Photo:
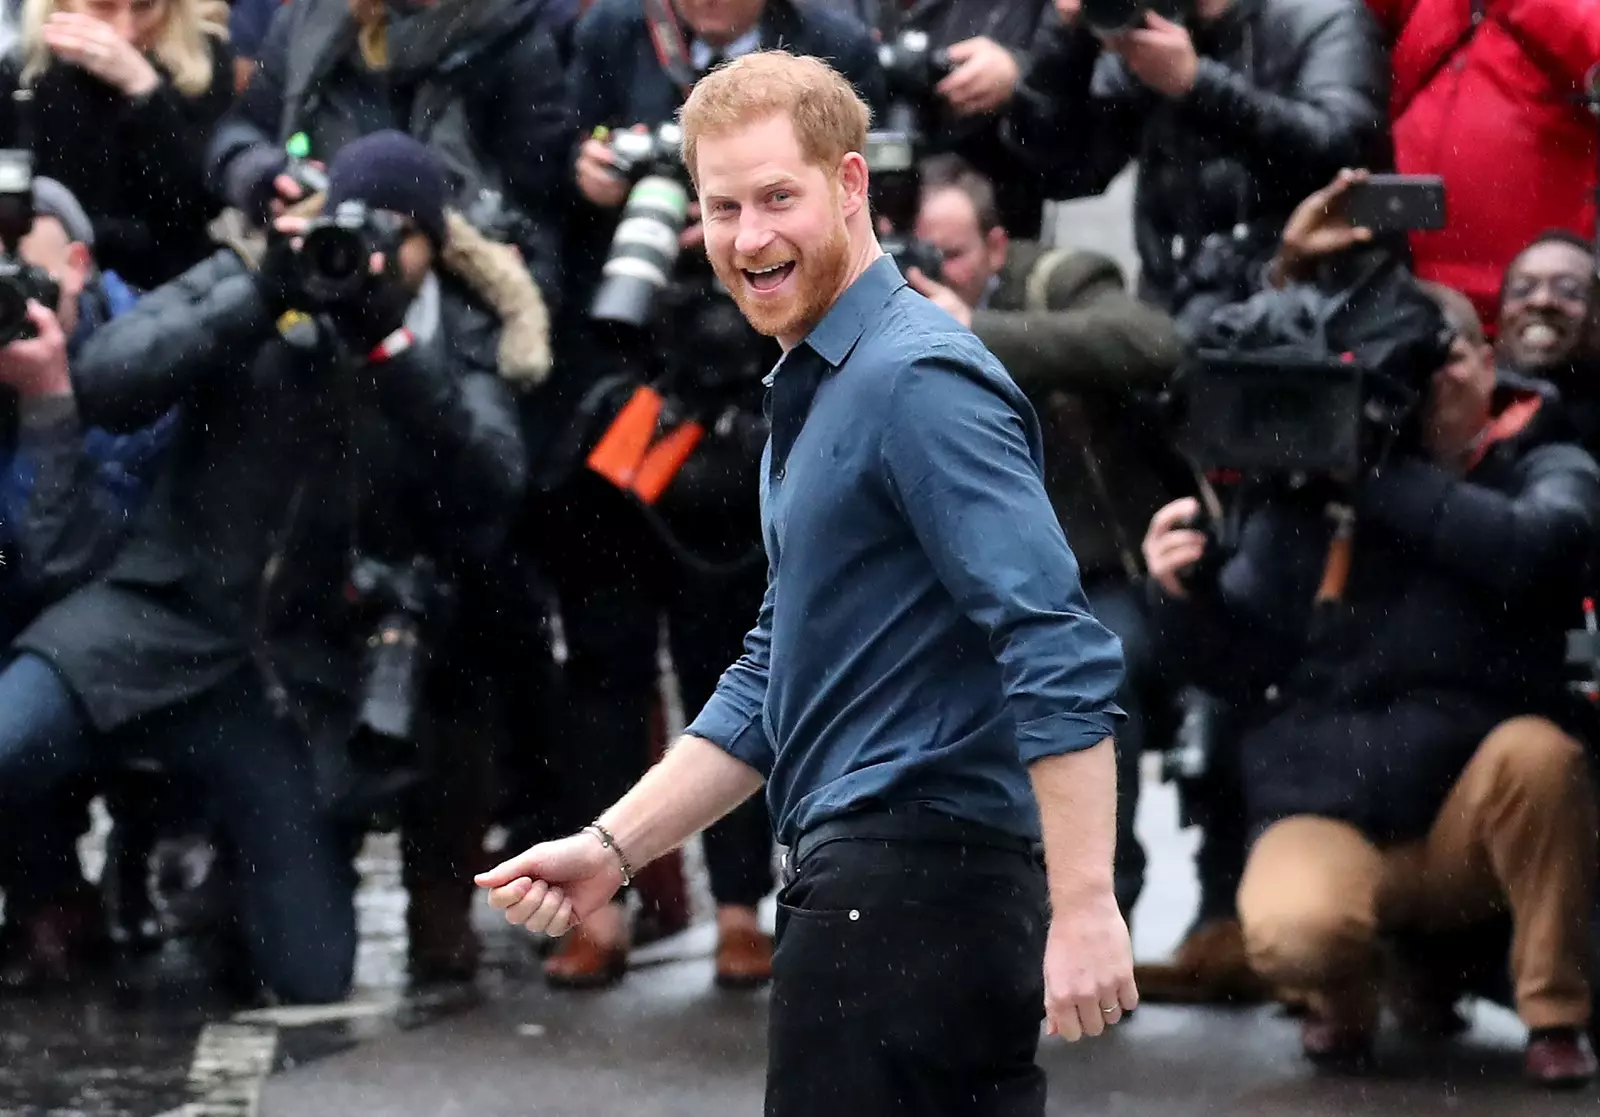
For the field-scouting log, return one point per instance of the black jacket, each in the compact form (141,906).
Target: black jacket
(279,468)
(1452,620)
(135,167)
(1288,92)
(507,80)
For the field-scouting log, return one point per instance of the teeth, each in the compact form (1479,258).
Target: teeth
(1539,334)
(766,271)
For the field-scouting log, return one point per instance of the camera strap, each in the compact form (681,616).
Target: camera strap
(672,50)
(632,457)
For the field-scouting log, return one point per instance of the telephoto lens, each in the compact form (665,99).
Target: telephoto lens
(643,253)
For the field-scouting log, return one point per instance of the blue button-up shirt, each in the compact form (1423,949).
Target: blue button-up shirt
(924,635)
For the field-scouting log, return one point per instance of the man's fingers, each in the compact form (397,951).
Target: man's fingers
(1174,514)
(521,911)
(1128,994)
(566,918)
(1090,1017)
(287,188)
(509,894)
(504,873)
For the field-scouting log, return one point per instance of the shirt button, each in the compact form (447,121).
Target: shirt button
(854,915)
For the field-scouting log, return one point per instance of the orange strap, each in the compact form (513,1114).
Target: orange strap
(1341,548)
(631,457)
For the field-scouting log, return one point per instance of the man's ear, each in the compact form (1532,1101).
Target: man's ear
(80,259)
(852,183)
(998,245)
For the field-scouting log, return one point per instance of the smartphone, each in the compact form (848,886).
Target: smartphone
(1396,203)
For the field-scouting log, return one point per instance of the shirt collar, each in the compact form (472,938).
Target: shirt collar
(701,53)
(840,328)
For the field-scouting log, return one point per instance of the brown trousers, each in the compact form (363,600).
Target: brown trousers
(1518,830)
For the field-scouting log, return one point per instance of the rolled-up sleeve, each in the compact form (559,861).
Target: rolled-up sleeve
(962,453)
(734,718)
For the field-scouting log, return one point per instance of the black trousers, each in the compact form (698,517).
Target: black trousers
(615,587)
(908,979)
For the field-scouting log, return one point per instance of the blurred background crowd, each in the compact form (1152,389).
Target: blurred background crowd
(379,453)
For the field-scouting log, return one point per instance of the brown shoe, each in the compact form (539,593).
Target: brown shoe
(581,963)
(1560,1058)
(55,944)
(1209,967)
(744,959)
(1334,1044)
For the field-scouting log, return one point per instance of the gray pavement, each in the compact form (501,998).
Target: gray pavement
(666,1043)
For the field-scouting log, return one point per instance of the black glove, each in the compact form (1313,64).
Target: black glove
(374,312)
(247,183)
(278,277)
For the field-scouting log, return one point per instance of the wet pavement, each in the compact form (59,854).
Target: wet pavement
(664,1043)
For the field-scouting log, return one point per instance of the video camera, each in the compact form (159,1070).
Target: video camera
(336,250)
(895,194)
(19,280)
(644,249)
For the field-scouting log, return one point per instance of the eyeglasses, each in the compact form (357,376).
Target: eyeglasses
(1566,288)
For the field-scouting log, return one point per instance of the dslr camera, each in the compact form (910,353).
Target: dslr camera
(911,68)
(402,603)
(336,250)
(895,194)
(1110,17)
(19,280)
(644,249)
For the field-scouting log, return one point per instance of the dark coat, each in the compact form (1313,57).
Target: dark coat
(280,467)
(1288,92)
(1091,360)
(1453,619)
(135,167)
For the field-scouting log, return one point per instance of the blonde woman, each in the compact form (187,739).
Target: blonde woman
(126,94)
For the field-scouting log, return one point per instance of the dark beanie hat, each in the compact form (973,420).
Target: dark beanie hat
(390,170)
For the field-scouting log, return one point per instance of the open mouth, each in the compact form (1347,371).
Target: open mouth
(765,280)
(1539,335)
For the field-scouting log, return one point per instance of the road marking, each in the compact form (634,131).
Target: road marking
(231,1064)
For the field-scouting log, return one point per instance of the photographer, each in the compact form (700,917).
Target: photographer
(67,499)
(958,63)
(1092,358)
(326,420)
(1549,323)
(1395,642)
(1234,112)
(478,81)
(125,95)
(620,560)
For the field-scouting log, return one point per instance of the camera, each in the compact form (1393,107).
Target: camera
(336,250)
(644,249)
(912,66)
(895,193)
(1109,17)
(403,601)
(19,280)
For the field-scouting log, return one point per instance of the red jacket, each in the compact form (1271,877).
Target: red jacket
(1495,113)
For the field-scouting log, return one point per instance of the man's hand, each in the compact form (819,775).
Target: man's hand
(941,296)
(554,886)
(1317,229)
(1160,54)
(92,45)
(37,367)
(597,176)
(984,79)
(1088,968)
(1171,547)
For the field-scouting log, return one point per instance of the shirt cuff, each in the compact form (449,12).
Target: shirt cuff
(740,735)
(1060,734)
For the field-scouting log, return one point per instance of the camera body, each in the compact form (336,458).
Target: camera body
(895,193)
(336,250)
(644,248)
(912,66)
(1110,17)
(19,280)
(402,603)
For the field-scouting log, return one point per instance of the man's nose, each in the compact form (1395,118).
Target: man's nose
(752,238)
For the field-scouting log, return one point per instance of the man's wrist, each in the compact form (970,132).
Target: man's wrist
(602,834)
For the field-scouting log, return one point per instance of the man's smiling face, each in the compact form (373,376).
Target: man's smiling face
(775,225)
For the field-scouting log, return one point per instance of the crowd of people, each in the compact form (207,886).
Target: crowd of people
(375,429)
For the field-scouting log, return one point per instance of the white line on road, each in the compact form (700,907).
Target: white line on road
(231,1064)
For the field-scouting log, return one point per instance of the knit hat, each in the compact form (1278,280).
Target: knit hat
(390,170)
(51,199)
